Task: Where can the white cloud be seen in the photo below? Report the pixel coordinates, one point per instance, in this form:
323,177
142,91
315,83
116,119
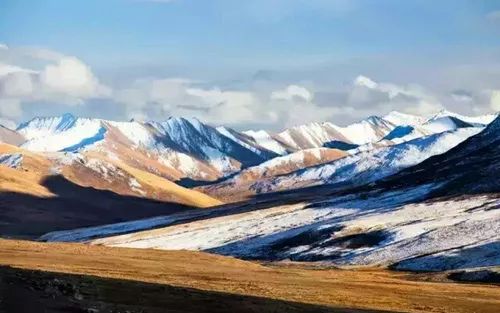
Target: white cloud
495,100
388,96
292,92
58,79
71,77
10,108
7,123
159,98
365,82
290,106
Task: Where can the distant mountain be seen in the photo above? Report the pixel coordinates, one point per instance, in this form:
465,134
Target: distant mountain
244,181
316,135
482,119
471,167
269,141
357,168
186,149
434,125
187,146
403,119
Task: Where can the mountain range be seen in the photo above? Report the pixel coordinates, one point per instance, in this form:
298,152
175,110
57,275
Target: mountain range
408,192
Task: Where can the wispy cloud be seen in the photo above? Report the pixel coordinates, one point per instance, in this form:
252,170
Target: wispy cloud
493,16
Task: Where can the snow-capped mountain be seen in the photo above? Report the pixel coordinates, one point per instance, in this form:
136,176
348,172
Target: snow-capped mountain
180,148
245,180
471,167
357,168
268,141
395,222
403,119
197,150
317,135
434,125
61,133
482,119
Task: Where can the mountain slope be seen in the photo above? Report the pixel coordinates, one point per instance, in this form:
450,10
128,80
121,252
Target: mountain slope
316,135
41,192
240,185
396,222
187,147
471,167
10,137
356,169
268,141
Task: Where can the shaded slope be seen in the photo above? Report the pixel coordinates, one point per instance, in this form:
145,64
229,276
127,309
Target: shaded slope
471,167
65,205
366,166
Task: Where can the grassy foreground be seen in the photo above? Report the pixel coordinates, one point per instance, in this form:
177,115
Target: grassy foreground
84,278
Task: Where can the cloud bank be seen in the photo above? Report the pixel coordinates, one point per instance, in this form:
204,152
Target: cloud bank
35,77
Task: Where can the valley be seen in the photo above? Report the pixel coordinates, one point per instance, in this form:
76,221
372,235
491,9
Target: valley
79,278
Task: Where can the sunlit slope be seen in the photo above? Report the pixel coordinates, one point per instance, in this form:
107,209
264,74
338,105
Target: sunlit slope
186,196
27,178
353,290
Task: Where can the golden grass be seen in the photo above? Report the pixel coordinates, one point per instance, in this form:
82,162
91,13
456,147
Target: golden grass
27,179
187,196
35,167
352,288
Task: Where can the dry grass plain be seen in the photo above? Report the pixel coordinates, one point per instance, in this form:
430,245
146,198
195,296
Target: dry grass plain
84,278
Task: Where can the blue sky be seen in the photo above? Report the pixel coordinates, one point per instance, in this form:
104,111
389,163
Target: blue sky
255,48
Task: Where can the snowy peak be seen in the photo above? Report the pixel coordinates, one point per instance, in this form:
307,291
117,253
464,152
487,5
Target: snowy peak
47,125
315,135
312,135
478,120
403,119
61,133
369,130
441,124
267,141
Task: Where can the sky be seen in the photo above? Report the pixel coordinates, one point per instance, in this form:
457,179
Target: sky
248,64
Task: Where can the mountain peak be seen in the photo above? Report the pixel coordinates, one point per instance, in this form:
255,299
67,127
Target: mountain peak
56,123
403,119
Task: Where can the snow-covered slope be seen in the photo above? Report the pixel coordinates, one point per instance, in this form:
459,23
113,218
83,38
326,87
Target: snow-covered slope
471,167
62,133
266,140
315,135
390,228
189,147
403,119
11,160
192,137
239,186
367,166
481,119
